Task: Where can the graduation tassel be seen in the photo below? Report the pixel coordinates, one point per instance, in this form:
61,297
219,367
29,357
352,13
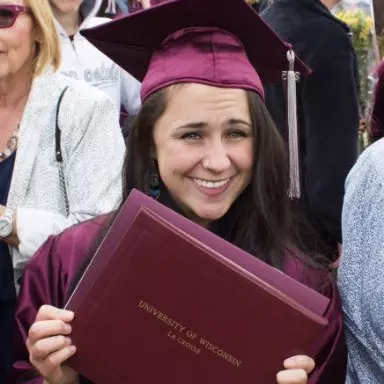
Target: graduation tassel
293,138
111,7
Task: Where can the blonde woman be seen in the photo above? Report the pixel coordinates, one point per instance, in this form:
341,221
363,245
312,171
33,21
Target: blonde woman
59,164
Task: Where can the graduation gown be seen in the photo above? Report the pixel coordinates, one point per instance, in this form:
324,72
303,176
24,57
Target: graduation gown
47,280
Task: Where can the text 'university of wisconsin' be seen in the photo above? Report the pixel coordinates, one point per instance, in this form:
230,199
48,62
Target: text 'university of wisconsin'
162,316
189,334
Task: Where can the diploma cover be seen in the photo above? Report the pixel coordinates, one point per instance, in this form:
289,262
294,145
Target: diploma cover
165,300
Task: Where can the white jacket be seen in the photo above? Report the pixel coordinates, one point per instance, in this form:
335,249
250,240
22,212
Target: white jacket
83,61
93,154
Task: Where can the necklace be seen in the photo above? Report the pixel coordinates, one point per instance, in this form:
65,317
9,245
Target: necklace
11,144
14,139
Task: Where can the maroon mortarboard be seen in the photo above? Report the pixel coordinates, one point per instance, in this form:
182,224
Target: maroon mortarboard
222,43
154,46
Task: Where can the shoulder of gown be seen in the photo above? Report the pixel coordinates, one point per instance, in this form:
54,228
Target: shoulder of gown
329,351
46,280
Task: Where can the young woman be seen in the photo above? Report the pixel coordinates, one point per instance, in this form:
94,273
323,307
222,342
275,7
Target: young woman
204,132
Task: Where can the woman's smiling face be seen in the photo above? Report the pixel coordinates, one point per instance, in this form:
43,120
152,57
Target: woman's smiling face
203,144
17,44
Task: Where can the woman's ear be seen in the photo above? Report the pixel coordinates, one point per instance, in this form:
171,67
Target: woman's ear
39,38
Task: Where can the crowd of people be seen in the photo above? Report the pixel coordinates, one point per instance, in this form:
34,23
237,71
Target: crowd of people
207,88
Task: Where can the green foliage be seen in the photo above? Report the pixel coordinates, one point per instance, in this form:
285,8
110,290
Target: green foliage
361,26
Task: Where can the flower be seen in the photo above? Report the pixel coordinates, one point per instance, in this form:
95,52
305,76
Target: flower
361,26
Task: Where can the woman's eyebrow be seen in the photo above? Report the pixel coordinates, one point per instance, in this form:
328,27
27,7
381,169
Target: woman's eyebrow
202,124
238,121
198,124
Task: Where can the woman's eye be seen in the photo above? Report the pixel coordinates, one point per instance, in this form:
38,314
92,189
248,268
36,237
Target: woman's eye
191,136
236,134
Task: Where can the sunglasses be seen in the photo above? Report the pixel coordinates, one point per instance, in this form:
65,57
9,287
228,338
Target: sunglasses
9,13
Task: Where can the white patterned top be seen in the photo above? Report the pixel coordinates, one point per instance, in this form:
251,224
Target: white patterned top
361,273
93,154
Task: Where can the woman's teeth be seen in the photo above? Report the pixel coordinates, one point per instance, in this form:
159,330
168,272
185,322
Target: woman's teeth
211,184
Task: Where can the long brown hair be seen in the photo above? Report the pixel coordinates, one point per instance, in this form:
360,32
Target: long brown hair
262,220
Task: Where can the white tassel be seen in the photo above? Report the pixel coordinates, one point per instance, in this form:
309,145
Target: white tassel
111,7
294,168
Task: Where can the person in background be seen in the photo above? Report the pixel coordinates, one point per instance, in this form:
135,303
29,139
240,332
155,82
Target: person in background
118,6
377,119
328,110
82,61
257,5
51,176
123,6
360,275
204,133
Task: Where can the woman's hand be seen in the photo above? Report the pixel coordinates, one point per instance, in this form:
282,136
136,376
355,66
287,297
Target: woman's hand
49,345
297,369
145,3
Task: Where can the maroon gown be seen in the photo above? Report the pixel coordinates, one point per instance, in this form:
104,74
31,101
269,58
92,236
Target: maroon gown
377,121
48,277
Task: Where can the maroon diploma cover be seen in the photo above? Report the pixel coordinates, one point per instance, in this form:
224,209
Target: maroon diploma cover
165,300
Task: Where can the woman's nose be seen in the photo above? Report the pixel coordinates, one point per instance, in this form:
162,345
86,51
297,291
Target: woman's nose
216,158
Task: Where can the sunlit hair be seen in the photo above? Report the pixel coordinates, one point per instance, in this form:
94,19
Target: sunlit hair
48,46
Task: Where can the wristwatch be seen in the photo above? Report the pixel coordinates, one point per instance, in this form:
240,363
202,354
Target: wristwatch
6,221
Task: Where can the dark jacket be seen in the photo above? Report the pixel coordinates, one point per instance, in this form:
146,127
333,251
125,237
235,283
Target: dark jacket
377,122
328,111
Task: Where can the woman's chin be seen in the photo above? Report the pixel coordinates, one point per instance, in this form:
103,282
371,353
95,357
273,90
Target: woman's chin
209,216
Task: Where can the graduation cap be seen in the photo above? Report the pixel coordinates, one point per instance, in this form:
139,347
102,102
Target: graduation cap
222,43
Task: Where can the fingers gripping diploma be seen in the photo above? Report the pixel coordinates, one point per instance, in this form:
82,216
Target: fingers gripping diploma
49,345
297,369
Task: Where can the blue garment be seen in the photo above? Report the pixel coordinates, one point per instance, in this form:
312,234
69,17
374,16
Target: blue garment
123,6
7,287
361,272
7,290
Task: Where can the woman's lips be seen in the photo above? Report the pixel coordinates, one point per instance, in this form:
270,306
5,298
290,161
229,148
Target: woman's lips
212,187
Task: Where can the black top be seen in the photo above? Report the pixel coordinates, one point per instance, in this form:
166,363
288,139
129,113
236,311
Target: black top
7,288
328,110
